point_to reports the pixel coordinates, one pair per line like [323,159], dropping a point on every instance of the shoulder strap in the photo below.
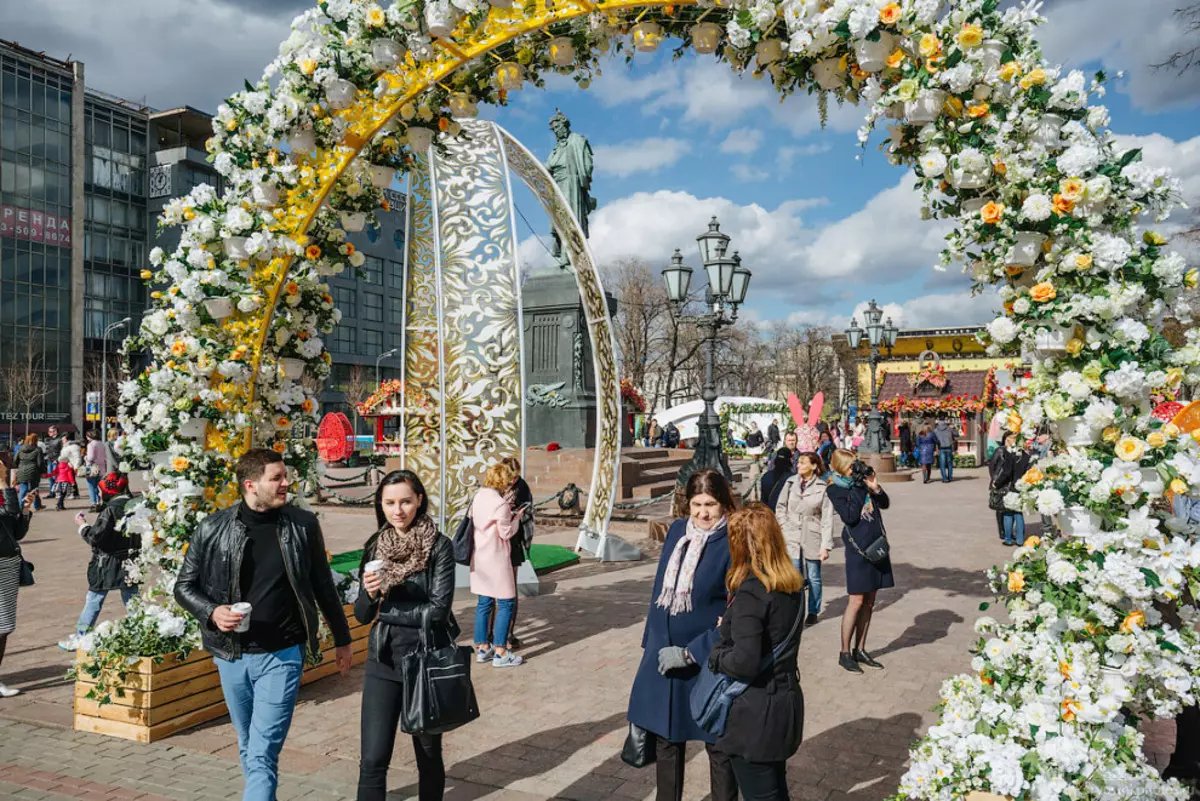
[779,649]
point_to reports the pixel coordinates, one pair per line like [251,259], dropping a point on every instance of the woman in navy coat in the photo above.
[688,601]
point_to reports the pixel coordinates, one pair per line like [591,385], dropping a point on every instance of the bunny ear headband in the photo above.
[808,436]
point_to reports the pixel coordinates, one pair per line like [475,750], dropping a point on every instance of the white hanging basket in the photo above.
[1047,130]
[381,177]
[926,108]
[266,193]
[562,51]
[302,141]
[218,308]
[160,459]
[1054,341]
[420,139]
[705,37]
[961,177]
[828,73]
[972,206]
[1151,481]
[386,53]
[194,428]
[1078,521]
[462,105]
[235,247]
[873,56]
[990,53]
[340,93]
[292,369]
[1074,432]
[1027,249]
[440,18]
[354,221]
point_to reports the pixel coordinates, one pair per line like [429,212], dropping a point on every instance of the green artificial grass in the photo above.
[544,558]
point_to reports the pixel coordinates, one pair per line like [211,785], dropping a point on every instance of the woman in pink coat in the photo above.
[492,577]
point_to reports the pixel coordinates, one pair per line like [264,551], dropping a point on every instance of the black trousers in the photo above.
[670,759]
[761,781]
[381,700]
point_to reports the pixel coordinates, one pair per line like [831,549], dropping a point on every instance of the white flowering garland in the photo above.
[1101,623]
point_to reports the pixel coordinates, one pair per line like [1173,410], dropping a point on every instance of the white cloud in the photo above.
[617,86]
[639,156]
[787,155]
[742,140]
[746,172]
[933,310]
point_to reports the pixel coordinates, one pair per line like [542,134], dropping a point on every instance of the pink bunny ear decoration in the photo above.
[815,408]
[796,409]
[808,436]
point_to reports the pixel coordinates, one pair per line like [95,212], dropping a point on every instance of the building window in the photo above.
[372,310]
[372,271]
[372,342]
[345,299]
[396,271]
[396,310]
[343,338]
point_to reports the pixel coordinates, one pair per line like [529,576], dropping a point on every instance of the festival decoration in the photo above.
[934,376]
[1045,204]
[632,397]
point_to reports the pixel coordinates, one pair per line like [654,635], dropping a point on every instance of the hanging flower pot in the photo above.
[1151,481]
[462,105]
[440,18]
[354,221]
[1047,130]
[503,4]
[509,76]
[925,108]
[962,176]
[1054,341]
[160,459]
[194,428]
[990,53]
[562,51]
[1074,432]
[971,206]
[828,73]
[705,37]
[1027,248]
[873,56]
[291,369]
[647,36]
[303,141]
[381,176]
[340,93]
[235,247]
[265,193]
[1078,521]
[420,139]
[386,53]
[218,308]
[768,52]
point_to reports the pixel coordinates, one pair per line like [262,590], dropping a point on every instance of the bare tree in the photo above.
[1183,60]
[641,312]
[25,378]
[355,389]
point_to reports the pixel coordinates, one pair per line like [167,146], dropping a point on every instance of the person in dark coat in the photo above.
[754,437]
[681,629]
[14,525]
[773,435]
[906,444]
[766,722]
[30,464]
[522,498]
[111,547]
[781,470]
[860,504]
[926,445]
[1009,463]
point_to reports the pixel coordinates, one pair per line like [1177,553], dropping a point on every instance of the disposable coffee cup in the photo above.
[374,566]
[242,609]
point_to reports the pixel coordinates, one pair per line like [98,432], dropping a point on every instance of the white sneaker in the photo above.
[8,692]
[70,644]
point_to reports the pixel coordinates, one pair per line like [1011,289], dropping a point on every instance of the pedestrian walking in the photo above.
[493,580]
[688,599]
[72,454]
[926,448]
[522,543]
[805,514]
[856,438]
[791,442]
[906,444]
[112,452]
[31,465]
[14,525]
[411,590]
[859,501]
[947,444]
[1009,463]
[62,478]
[95,466]
[825,448]
[112,547]
[51,447]
[268,555]
[766,722]
[754,437]
[773,438]
[775,476]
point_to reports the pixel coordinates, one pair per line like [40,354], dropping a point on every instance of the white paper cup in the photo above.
[242,609]
[374,566]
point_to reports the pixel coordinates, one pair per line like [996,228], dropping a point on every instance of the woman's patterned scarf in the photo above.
[676,595]
[405,553]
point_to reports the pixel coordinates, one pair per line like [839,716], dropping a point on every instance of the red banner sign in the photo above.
[36,226]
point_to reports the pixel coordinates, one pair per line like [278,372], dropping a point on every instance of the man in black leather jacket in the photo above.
[270,555]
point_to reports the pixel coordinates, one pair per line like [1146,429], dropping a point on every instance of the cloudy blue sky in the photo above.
[676,142]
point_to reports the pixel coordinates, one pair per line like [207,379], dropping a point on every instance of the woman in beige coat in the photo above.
[806,517]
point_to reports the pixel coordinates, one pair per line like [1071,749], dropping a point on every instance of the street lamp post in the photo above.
[380,358]
[728,281]
[104,375]
[877,440]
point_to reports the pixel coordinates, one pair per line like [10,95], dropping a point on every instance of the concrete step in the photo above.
[665,486]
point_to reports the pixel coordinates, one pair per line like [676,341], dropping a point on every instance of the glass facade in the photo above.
[35,234]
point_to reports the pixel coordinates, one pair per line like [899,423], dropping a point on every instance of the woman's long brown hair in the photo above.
[756,545]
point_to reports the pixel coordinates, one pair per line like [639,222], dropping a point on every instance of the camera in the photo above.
[860,472]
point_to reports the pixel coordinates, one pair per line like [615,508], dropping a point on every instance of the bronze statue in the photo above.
[570,164]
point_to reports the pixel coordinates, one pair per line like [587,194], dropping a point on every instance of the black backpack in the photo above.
[464,540]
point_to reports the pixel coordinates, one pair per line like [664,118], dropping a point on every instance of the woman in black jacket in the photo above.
[860,504]
[766,722]
[31,464]
[14,525]
[411,585]
[1008,464]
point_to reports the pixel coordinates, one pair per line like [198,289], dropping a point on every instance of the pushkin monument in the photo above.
[560,393]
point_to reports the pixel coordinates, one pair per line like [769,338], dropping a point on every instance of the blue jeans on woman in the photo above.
[812,571]
[1014,528]
[94,602]
[94,489]
[504,613]
[23,489]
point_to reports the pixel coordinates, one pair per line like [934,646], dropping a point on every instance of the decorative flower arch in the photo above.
[1101,621]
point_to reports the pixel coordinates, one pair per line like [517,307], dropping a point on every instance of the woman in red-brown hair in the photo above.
[766,722]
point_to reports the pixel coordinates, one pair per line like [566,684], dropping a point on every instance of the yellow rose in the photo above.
[1062,207]
[889,14]
[307,65]
[1178,486]
[1043,292]
[1009,71]
[1013,423]
[1153,238]
[179,464]
[1171,430]
[1191,278]
[1072,189]
[1032,476]
[992,212]
[1083,262]
[930,45]
[1130,449]
[146,275]
[375,17]
[1111,434]
[896,58]
[1074,346]
[1156,439]
[1032,542]
[1035,77]
[1016,581]
[970,36]
[1135,618]
[978,110]
[156,295]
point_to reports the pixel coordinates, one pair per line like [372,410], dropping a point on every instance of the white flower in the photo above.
[1127,381]
[1003,330]
[1110,252]
[933,163]
[1062,572]
[1049,502]
[1037,207]
[1021,305]
[1080,159]
[224,164]
[1099,189]
[738,36]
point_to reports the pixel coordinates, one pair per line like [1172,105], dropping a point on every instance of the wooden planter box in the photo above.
[177,694]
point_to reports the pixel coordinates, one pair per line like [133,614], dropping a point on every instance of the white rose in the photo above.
[1002,330]
[1062,572]
[933,163]
[1037,207]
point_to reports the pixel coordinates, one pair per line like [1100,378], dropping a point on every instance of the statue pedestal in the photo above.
[560,381]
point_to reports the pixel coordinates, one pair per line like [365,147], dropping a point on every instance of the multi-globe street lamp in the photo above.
[728,281]
[878,334]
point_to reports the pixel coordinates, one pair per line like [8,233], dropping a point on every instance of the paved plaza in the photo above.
[552,728]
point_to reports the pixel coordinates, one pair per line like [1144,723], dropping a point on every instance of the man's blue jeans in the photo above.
[1014,527]
[51,469]
[94,602]
[946,463]
[812,572]
[260,691]
[483,611]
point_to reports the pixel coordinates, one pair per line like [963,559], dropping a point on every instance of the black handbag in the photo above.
[464,540]
[878,551]
[638,751]
[26,579]
[438,694]
[996,499]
